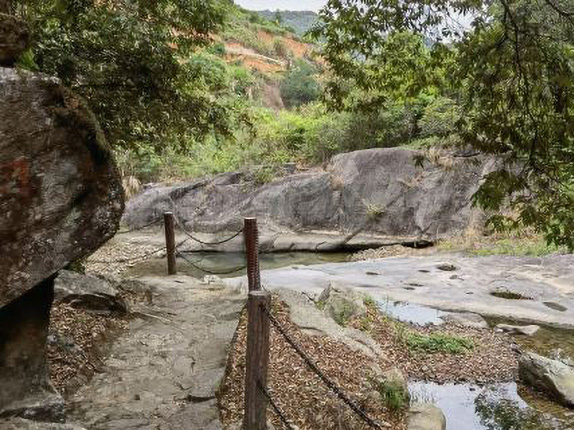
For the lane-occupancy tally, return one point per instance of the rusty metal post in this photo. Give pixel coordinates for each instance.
(251, 235)
(170, 243)
(257, 361)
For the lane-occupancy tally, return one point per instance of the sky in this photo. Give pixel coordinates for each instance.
(313, 5)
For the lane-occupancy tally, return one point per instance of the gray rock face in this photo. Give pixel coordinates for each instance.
(466, 319)
(553, 377)
(341, 303)
(60, 193)
(377, 191)
(88, 293)
(525, 330)
(22, 424)
(424, 416)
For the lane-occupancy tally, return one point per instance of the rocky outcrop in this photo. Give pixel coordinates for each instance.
(424, 416)
(341, 303)
(88, 293)
(550, 376)
(60, 199)
(524, 330)
(377, 191)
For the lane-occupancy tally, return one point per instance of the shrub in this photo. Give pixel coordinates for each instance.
(439, 118)
(300, 86)
(393, 395)
(279, 48)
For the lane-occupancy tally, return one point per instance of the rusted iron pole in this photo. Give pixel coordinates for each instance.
(257, 360)
(170, 243)
(251, 235)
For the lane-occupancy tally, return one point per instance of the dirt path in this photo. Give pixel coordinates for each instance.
(163, 372)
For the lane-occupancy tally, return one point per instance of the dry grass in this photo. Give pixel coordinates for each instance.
(304, 398)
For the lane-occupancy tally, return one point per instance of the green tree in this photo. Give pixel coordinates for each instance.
(512, 67)
(300, 85)
(129, 59)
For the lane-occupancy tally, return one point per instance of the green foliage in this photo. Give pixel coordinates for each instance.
(511, 69)
(369, 301)
(128, 59)
(438, 342)
(393, 395)
(519, 247)
(300, 86)
(439, 118)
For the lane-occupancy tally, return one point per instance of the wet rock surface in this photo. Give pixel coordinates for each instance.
(377, 191)
(542, 279)
(164, 372)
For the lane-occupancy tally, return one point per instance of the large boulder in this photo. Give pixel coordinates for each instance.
(60, 199)
(60, 193)
(550, 376)
(378, 191)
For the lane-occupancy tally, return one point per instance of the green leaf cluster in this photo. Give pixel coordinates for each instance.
(136, 62)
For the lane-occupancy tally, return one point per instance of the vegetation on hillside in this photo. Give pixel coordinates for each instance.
(510, 71)
(184, 88)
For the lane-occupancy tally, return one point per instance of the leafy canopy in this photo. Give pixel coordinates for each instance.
(508, 63)
(132, 60)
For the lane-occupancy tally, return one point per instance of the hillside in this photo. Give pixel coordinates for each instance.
(266, 50)
(299, 21)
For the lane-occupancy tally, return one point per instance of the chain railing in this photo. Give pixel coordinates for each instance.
(339, 392)
(260, 320)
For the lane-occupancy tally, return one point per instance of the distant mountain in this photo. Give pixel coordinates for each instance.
(300, 21)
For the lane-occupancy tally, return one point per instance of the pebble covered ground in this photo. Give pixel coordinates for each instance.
(301, 394)
(493, 357)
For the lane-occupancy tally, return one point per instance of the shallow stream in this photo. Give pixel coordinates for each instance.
(231, 264)
(501, 406)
